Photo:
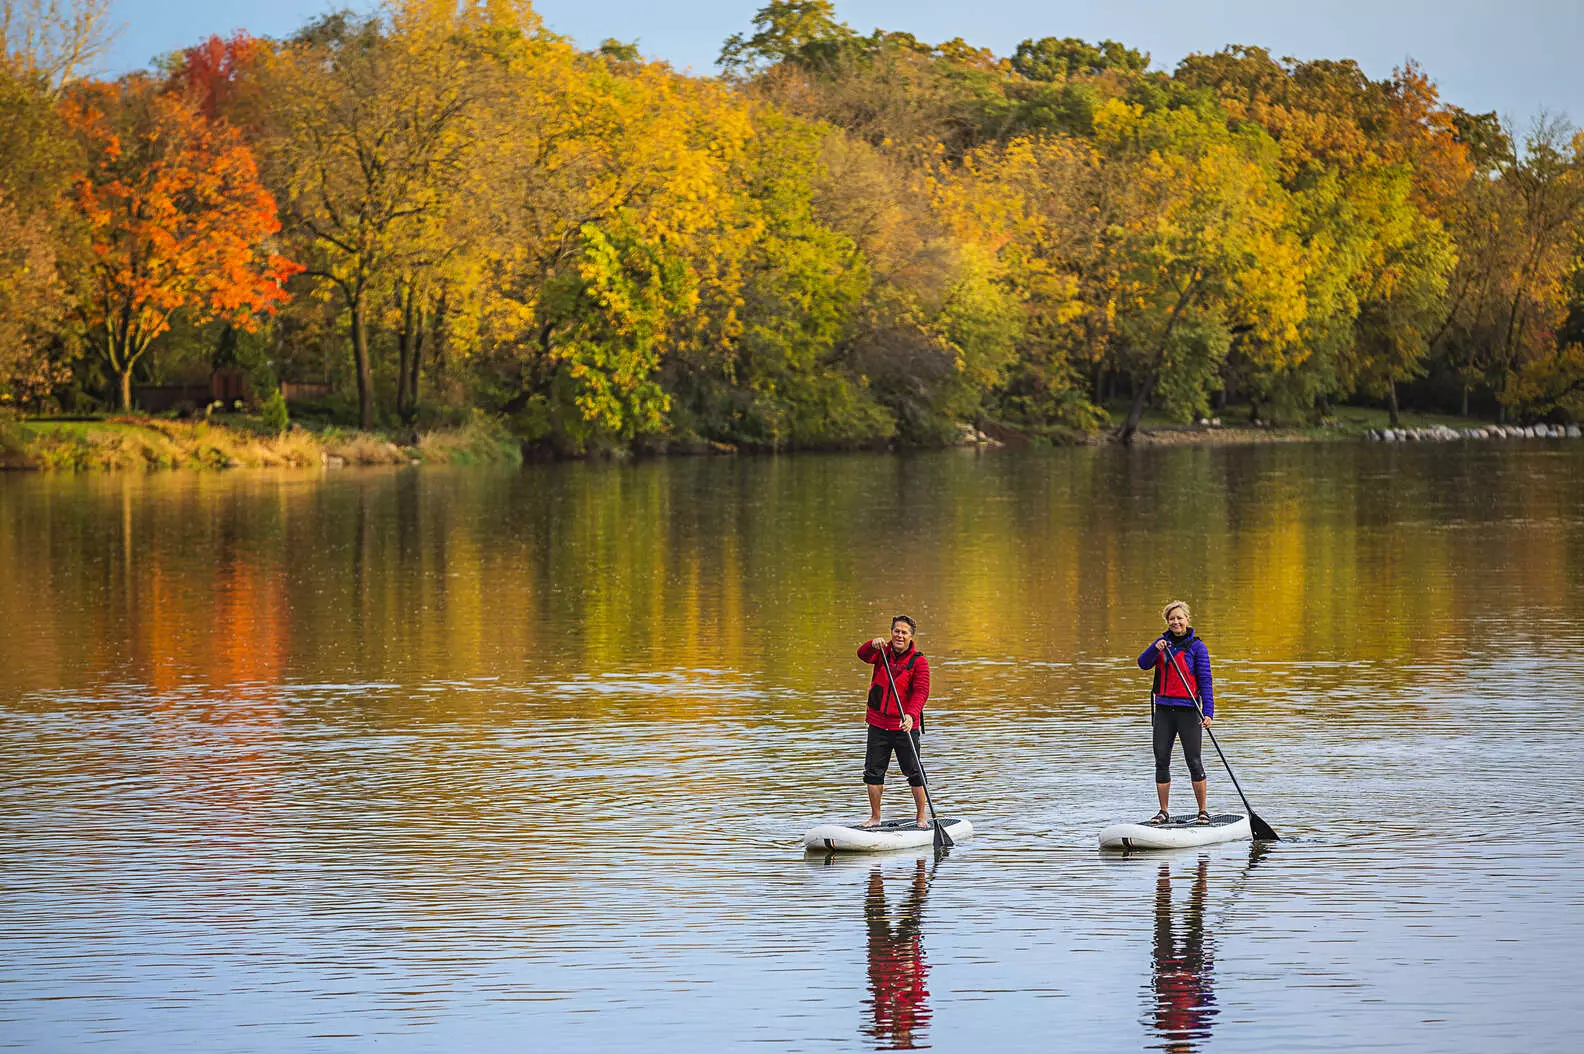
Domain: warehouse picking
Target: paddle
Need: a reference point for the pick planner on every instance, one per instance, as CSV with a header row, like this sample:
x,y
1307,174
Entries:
x,y
942,839
1262,831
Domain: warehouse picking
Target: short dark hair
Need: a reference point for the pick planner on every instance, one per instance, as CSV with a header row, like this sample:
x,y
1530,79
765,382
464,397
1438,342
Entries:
x,y
905,618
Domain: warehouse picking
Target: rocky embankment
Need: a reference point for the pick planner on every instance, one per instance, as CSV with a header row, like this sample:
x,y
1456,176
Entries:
x,y
1442,434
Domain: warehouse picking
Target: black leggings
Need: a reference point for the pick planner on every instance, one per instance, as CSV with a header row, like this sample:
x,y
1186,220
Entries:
x,y
1171,721
877,758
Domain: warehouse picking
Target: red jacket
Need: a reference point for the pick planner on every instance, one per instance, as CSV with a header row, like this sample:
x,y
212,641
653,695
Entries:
x,y
911,671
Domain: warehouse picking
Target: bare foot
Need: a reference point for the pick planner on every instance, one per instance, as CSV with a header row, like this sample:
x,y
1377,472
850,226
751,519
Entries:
x,y
921,824
873,821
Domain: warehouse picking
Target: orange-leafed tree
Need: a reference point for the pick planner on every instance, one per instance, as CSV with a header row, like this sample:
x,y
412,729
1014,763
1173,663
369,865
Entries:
x,y
177,220
226,78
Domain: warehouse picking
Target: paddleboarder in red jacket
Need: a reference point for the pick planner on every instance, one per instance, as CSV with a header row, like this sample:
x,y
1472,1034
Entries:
x,y
895,716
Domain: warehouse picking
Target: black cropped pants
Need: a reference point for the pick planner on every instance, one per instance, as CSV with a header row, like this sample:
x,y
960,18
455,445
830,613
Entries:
x,y
1178,722
877,756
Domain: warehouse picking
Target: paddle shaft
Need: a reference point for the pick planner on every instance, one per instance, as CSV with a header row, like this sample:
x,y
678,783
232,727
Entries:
x,y
1256,824
942,839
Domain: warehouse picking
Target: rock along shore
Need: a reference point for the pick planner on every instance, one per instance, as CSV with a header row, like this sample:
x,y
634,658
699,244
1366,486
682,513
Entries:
x,y
1443,434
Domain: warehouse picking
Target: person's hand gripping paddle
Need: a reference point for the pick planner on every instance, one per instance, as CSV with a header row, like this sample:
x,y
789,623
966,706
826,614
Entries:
x,y
942,839
1261,830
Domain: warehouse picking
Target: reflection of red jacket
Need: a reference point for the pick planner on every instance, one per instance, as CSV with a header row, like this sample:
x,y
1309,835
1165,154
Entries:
x,y
1184,969
1184,1000
897,970
896,979
912,674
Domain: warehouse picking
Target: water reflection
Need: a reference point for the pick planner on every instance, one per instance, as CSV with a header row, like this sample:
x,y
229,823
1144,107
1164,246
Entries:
x,y
257,727
1315,563
1182,968
898,993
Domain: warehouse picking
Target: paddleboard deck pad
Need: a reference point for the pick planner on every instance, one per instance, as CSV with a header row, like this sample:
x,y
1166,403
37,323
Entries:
x,y
890,834
1180,833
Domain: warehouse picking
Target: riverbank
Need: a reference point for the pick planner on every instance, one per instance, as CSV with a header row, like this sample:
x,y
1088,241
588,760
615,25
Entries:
x,y
237,441
241,441
1348,424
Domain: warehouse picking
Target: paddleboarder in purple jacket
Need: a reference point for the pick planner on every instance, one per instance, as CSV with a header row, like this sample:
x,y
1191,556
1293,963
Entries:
x,y
1182,671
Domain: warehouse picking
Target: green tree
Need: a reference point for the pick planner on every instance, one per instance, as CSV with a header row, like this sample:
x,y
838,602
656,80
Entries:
x,y
1204,248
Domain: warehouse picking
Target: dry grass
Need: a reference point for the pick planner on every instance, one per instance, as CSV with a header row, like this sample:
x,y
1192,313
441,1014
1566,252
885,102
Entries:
x,y
129,443
481,441
362,448
144,443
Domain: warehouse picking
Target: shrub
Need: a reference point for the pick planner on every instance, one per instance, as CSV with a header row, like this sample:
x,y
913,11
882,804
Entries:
x,y
274,413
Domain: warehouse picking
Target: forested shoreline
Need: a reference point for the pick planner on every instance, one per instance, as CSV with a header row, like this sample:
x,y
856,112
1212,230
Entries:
x,y
443,212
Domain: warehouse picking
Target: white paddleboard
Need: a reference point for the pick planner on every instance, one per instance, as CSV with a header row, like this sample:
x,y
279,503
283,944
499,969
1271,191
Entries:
x,y
891,834
1181,833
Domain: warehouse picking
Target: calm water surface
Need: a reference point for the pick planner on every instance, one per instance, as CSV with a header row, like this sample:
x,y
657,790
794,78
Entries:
x,y
439,760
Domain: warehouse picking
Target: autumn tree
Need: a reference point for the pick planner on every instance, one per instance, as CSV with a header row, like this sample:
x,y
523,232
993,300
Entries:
x,y
1043,206
177,221
1204,248
36,231
56,41
32,303
380,122
226,78
1521,238
785,29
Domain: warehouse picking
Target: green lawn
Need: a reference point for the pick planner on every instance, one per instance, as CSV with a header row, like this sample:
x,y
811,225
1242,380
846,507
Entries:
x,y
1366,417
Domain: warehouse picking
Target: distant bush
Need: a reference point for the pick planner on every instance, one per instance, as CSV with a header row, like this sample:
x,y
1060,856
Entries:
x,y
483,439
276,418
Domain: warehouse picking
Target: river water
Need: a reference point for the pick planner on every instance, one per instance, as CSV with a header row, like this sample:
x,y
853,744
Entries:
x,y
443,759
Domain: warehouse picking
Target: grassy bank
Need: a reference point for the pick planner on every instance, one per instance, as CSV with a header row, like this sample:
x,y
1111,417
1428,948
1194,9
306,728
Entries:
x,y
242,441
236,441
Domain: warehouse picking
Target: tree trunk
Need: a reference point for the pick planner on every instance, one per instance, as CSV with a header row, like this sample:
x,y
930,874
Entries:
x,y
403,349
365,372
126,389
411,341
1142,392
1463,412
1136,411
412,385
1391,402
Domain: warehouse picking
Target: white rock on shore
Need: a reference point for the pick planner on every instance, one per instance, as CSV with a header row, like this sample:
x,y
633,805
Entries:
x,y
1442,434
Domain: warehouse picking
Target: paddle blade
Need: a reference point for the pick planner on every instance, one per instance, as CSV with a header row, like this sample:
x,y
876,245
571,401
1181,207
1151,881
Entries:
x,y
1262,831
942,839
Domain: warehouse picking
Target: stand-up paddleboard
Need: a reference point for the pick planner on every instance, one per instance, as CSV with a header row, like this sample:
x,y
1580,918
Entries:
x,y
891,834
1181,833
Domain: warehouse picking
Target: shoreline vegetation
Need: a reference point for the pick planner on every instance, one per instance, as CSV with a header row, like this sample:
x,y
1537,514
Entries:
x,y
443,232
237,441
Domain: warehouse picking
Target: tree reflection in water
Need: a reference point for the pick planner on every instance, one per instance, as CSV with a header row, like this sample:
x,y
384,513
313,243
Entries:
x,y
1181,978
898,998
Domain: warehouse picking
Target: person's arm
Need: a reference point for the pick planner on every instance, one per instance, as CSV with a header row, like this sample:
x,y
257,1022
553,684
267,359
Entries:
x,y
1201,669
918,690
867,652
1151,655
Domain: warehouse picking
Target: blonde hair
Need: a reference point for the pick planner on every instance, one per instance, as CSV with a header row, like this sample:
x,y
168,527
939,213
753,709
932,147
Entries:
x,y
1174,605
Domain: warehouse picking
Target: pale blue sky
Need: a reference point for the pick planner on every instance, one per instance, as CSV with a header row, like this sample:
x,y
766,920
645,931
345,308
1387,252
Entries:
x,y
1516,57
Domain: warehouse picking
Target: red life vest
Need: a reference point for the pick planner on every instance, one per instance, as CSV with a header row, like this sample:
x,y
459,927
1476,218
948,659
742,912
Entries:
x,y
1169,682
911,671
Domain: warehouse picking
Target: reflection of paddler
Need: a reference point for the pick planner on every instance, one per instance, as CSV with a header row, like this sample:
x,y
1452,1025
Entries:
x,y
1184,995
897,971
